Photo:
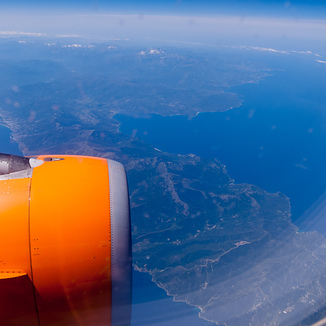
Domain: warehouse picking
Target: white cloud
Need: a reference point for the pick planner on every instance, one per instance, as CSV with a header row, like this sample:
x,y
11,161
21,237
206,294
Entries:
x,y
151,52
15,33
321,61
72,46
78,46
257,48
67,35
307,52
302,52
185,42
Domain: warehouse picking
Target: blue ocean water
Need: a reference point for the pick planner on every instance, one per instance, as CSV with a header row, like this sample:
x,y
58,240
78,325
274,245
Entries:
x,y
276,139
152,307
7,145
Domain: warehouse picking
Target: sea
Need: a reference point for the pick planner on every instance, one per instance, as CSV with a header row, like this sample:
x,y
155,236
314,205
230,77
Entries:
x,y
153,307
276,139
7,144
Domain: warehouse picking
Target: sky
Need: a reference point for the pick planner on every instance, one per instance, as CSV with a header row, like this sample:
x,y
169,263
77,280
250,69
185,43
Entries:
x,y
298,8
254,22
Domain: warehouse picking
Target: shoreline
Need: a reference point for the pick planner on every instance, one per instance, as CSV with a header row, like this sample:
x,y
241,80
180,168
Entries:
x,y
8,143
159,285
178,310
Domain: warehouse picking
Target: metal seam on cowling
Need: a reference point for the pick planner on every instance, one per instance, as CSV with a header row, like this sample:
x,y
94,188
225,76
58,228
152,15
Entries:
x,y
30,248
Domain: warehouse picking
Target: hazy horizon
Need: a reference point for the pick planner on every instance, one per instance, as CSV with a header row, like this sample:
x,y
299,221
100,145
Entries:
x,y
281,24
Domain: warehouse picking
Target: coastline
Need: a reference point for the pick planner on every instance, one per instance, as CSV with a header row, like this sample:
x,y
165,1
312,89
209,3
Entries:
x,y
167,310
8,143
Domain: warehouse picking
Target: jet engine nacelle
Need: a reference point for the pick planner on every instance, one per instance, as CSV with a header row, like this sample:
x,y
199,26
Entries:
x,y
65,255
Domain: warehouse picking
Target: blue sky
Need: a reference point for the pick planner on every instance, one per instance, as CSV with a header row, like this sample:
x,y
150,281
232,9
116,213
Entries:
x,y
184,7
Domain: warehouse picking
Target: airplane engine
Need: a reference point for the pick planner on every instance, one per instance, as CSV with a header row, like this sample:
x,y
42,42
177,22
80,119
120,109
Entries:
x,y
65,244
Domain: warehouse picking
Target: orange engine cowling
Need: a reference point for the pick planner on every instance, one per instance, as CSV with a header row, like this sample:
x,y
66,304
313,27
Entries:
x,y
65,241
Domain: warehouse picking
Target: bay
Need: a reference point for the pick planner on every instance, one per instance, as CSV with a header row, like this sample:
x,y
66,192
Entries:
x,y
276,139
7,144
